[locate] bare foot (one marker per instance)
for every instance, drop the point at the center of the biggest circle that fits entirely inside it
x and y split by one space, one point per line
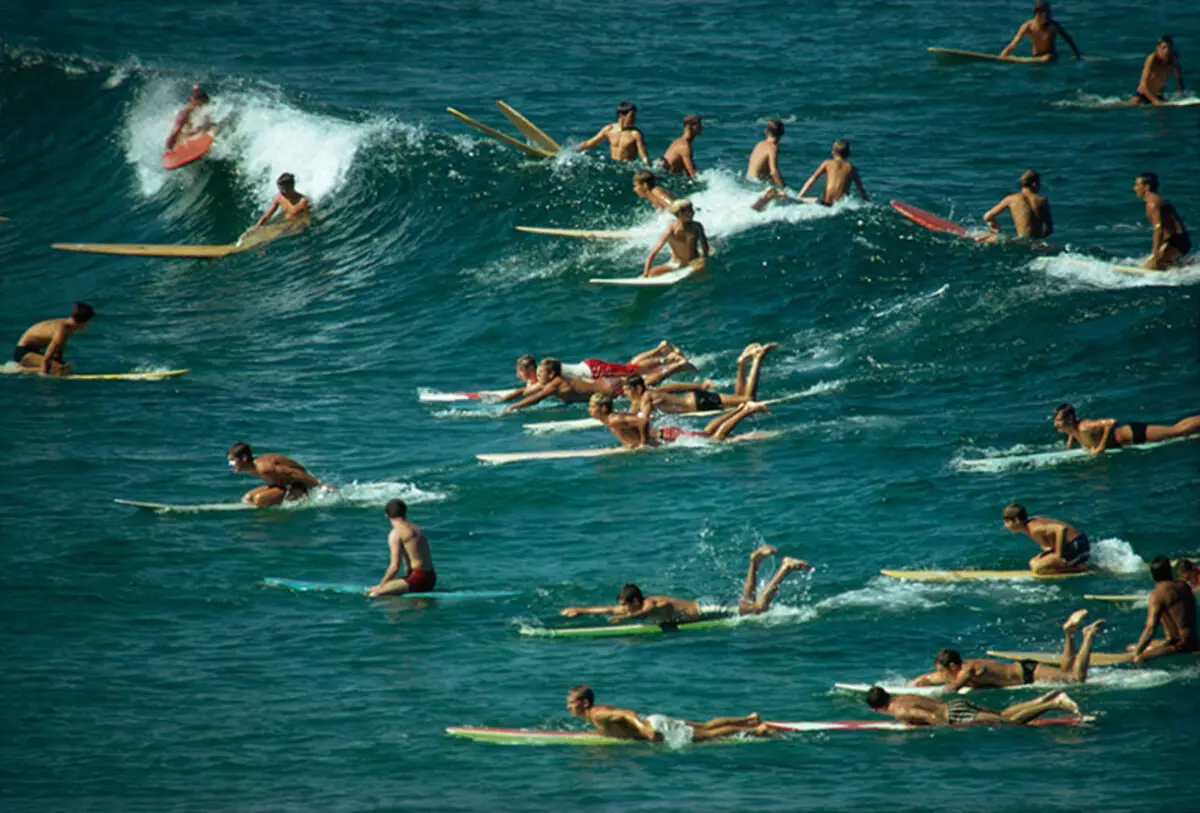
1073 622
1094 627
791 563
763 349
763 552
753 719
765 730
750 350
752 407
1064 702
1048 696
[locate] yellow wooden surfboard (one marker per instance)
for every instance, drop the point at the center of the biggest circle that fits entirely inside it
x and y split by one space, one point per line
529 129
503 138
252 239
151 376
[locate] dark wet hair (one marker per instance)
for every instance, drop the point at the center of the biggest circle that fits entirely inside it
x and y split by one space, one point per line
1014 510
241 451
82 312
1041 5
1169 40
527 361
1066 411
878 698
582 692
775 128
630 592
286 179
841 148
948 657
1160 569
553 366
1149 179
691 120
1030 179
634 380
647 177
626 107
396 509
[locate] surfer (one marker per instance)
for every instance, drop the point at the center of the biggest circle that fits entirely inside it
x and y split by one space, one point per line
686 237
679 398
1156 70
950 669
1042 31
635 431
295 206
678 159
917 710
764 164
1187 572
552 381
41 347
1030 211
651 362
286 479
1172 604
625 140
1099 434
839 173
1171 240
626 724
185 127
1064 548
645 185
407 544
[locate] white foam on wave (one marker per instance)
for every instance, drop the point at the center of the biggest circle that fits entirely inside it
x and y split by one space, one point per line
1080 271
1116 555
367 494
901 597
1094 101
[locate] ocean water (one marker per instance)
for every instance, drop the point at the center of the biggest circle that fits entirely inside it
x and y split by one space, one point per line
148 668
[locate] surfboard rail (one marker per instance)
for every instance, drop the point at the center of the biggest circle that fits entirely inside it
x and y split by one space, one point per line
979 575
501 458
581 234
928 219
251 239
130 376
503 138
528 129
1055 658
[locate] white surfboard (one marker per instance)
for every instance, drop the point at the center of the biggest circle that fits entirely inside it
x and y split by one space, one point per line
1000 463
429 396
196 508
661 281
863 688
591 423
574 454
1132 598
1120 269
134 376
580 234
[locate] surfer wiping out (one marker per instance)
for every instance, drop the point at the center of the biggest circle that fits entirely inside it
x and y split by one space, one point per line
686 237
629 725
1099 434
406 544
625 140
41 347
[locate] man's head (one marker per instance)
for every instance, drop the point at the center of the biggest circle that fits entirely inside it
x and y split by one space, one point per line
82 313
878 698
692 125
240 457
630 598
198 95
643 181
634 384
1188 572
1166 47
1160 569
1031 180
527 368
1145 183
396 509
286 182
579 699
1015 517
600 405
626 113
682 209
1065 417
948 660
1041 9
841 148
548 370
774 129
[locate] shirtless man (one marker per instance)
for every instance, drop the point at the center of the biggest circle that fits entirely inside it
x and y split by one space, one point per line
1171 240
185 127
551 381
1030 211
1173 604
651 363
286 479
407 544
1188 573
1099 434
629 725
645 185
839 173
1042 31
678 159
41 347
1156 70
689 243
981 673
633 606
1064 549
764 164
635 431
699 398
625 140
294 205
917 710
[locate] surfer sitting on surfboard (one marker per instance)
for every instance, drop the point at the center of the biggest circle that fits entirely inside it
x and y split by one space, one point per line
1171 240
286 479
659 363
1042 31
1030 211
188 123
981 673
764 164
633 606
625 140
1156 70
645 401
407 544
686 237
41 347
916 710
629 725
839 173
678 159
634 431
1099 434
1064 548
645 185
1172 604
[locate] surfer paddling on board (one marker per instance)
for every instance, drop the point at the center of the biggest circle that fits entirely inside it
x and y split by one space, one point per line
41 347
678 398
191 120
678 159
407 544
551 381
764 164
950 669
1064 548
1042 31
1172 604
1030 211
645 185
624 139
635 431
1171 239
286 479
686 237
626 724
652 362
1156 70
918 710
633 606
839 173
1099 434
295 206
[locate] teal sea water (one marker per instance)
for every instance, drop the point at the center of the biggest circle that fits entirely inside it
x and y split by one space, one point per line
146 666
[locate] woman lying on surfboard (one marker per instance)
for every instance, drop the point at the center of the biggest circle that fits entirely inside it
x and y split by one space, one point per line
1096 435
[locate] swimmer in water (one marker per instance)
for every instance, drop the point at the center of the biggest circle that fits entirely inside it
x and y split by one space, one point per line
625 140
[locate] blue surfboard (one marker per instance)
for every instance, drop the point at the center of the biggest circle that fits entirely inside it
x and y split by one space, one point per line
358 589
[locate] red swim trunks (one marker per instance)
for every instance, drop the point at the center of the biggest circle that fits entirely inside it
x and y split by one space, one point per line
671 433
420 581
609 369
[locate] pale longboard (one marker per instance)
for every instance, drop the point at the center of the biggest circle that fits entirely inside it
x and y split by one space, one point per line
196 508
358 589
503 138
1132 598
628 630
661 281
994 465
528 129
154 376
894 689
578 454
580 234
1055 658
428 396
591 423
949 56
251 240
979 575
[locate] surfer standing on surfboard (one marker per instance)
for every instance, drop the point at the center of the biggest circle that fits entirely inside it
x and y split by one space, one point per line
917 710
839 173
1171 240
41 347
1042 31
1156 70
286 479
645 401
645 185
626 724
1172 604
1099 434
1064 548
625 140
1030 211
678 159
764 164
635 432
185 126
689 243
407 544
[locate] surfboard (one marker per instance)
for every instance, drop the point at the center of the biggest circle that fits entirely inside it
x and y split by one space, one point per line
661 281
150 376
582 234
1055 658
196 508
185 152
978 575
1121 269
924 691
999 463
1132 597
628 630
872 725
253 239
949 56
928 219
528 129
591 423
579 454
503 138
358 589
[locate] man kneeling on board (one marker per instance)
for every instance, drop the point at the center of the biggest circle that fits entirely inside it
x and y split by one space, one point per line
626 724
41 347
1099 434
651 363
1064 549
1171 240
634 431
1030 211
286 479
633 606
981 673
407 544
1172 604
917 710
644 400
689 243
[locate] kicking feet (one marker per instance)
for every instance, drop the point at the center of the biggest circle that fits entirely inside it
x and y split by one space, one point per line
791 563
763 552
751 407
1064 702
1072 623
1092 628
750 350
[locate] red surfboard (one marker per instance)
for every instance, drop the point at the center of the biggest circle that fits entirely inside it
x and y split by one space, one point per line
185 152
927 219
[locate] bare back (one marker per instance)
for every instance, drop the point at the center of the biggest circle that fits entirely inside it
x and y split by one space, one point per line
916 710
677 157
764 161
1176 605
838 173
413 545
39 336
282 471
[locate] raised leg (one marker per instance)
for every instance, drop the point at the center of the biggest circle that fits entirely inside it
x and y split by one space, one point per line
739 386
1079 670
1069 627
788 565
1021 713
1188 426
751 390
721 427
750 586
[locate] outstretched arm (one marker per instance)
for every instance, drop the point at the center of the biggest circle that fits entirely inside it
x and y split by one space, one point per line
995 212
640 140
571 612
537 397
594 140
812 179
862 193
928 679
1008 49
267 214
1070 41
662 241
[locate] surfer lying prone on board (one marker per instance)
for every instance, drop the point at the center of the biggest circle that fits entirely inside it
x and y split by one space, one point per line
552 381
286 479
1030 211
686 237
191 121
635 432
658 363
918 710
1042 31
950 669
626 724
407 544
625 140
681 397
1099 434
839 174
632 605
1171 239
1156 70
1065 549
41 347
1172 604
645 185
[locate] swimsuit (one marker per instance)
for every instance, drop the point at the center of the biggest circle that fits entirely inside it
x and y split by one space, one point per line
669 434
1137 432
420 581
1077 551
608 369
961 712
1139 95
1181 242
20 351
292 491
1027 670
708 401
673 732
